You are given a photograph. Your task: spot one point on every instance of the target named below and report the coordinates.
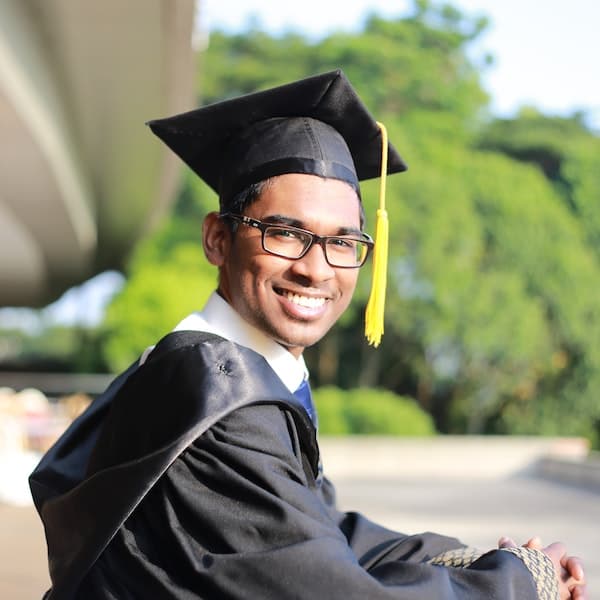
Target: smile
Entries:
(306, 301)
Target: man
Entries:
(197, 474)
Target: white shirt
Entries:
(220, 318)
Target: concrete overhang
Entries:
(81, 176)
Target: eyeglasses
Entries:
(344, 251)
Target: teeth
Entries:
(305, 300)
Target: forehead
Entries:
(309, 199)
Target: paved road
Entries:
(477, 511)
(23, 574)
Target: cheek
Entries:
(249, 276)
(348, 280)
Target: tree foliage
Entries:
(168, 279)
(492, 322)
(369, 411)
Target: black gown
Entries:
(196, 475)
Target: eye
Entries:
(285, 234)
(342, 243)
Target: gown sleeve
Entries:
(240, 515)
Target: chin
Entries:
(301, 341)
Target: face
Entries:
(295, 302)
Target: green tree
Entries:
(369, 411)
(168, 278)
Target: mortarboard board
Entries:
(316, 125)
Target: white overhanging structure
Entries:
(81, 176)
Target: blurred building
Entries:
(81, 177)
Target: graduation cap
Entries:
(317, 126)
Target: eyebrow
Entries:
(291, 222)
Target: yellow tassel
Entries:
(376, 305)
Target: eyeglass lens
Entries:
(339, 251)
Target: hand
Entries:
(569, 569)
(574, 568)
(535, 543)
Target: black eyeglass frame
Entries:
(321, 240)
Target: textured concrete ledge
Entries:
(360, 457)
(585, 473)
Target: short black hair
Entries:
(238, 203)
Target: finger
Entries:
(556, 552)
(574, 567)
(535, 543)
(506, 542)
(579, 593)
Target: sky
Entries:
(547, 52)
(547, 55)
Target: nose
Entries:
(313, 265)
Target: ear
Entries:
(216, 239)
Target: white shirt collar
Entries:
(220, 318)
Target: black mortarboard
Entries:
(317, 125)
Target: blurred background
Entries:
(492, 320)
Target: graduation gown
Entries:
(196, 475)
